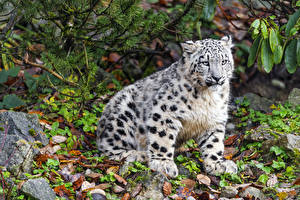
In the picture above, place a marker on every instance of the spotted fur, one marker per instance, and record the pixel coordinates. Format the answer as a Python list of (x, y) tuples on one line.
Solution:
[(147, 120)]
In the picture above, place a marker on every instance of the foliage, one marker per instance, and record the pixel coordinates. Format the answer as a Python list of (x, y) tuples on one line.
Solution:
[(74, 39), (275, 41)]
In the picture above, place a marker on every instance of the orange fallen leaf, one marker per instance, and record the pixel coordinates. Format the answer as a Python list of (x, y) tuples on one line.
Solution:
[(75, 152), (120, 179), (230, 140), (126, 196), (167, 188), (189, 183)]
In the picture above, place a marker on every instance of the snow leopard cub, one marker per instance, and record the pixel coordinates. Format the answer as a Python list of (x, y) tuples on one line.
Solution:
[(147, 120)]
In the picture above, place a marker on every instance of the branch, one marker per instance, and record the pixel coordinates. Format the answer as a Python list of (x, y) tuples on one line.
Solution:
[(188, 6), (26, 61)]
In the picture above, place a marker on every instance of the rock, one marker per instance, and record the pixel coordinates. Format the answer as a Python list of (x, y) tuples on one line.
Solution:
[(259, 103), (38, 189), (230, 127), (19, 143), (261, 133), (292, 142), (57, 139), (97, 196), (278, 83), (229, 192), (294, 97), (252, 192), (153, 183), (98, 191)]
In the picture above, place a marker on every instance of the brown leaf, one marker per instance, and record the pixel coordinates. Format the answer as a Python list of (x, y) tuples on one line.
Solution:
[(113, 57), (117, 189), (297, 181), (167, 188), (111, 86), (136, 190), (94, 175), (113, 169), (120, 179), (202, 179), (40, 159), (77, 184), (230, 140), (102, 186), (229, 152), (126, 196), (62, 191), (189, 183)]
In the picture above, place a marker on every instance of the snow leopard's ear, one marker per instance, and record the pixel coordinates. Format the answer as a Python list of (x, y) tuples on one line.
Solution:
[(188, 47), (227, 41)]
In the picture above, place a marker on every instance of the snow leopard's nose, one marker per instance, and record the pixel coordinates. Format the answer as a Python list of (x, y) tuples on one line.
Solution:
[(216, 78)]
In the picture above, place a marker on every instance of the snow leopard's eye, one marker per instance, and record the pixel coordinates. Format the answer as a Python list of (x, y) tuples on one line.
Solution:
[(206, 63), (224, 62)]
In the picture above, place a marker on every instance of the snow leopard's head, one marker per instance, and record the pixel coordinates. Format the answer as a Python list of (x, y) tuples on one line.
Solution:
[(209, 62)]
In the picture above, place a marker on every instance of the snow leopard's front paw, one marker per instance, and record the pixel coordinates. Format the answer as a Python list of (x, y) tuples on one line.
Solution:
[(165, 166), (220, 167)]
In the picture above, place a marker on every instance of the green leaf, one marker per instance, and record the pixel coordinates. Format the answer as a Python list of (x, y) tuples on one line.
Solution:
[(266, 56), (12, 101), (208, 11), (13, 72), (290, 56), (278, 165), (264, 29), (277, 55), (298, 52), (292, 21), (255, 24), (273, 39), (253, 51), (277, 150), (3, 76), (263, 178), (298, 3)]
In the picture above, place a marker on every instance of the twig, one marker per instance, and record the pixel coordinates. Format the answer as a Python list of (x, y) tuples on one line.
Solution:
[(189, 5), (26, 61), (227, 18)]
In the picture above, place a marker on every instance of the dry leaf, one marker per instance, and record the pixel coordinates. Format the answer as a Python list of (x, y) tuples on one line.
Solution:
[(117, 189), (120, 179), (136, 190), (189, 183), (230, 140), (272, 181), (113, 169), (75, 152), (297, 181), (94, 175), (126, 196), (102, 186), (203, 179), (229, 152), (167, 188)]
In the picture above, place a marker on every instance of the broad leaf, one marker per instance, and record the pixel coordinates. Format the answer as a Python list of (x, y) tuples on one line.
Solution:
[(253, 51), (255, 24), (290, 56), (277, 55), (264, 29), (273, 39), (298, 52), (3, 76), (208, 11), (12, 101), (13, 72), (292, 21), (266, 56)]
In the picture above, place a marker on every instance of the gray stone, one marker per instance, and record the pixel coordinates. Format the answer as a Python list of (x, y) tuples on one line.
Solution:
[(18, 142), (292, 142), (24, 125), (153, 183), (38, 189), (98, 196), (259, 103), (261, 133), (294, 97), (229, 192), (252, 192)]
